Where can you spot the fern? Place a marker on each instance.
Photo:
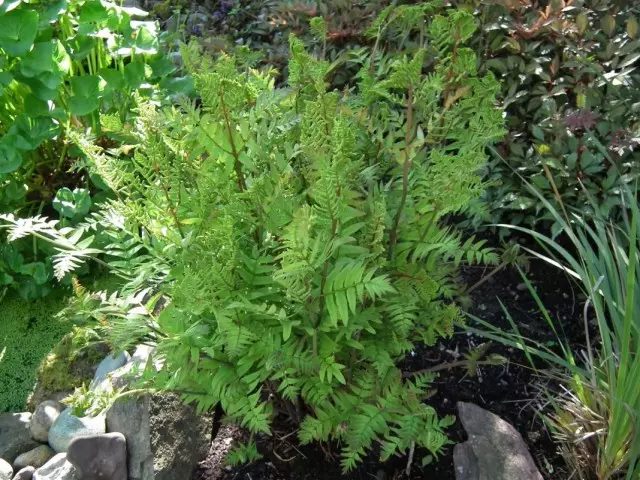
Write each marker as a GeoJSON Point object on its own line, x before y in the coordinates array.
{"type": "Point", "coordinates": [298, 234]}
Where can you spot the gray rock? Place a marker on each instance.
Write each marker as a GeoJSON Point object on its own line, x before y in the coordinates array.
{"type": "Point", "coordinates": [142, 354]}
{"type": "Point", "coordinates": [6, 472]}
{"type": "Point", "coordinates": [58, 468]}
{"type": "Point", "coordinates": [108, 365]}
{"type": "Point", "coordinates": [25, 473]}
{"type": "Point", "coordinates": [67, 427]}
{"type": "Point", "coordinates": [35, 458]}
{"type": "Point", "coordinates": [499, 452]}
{"type": "Point", "coordinates": [42, 419]}
{"type": "Point", "coordinates": [465, 461]}
{"type": "Point", "coordinates": [99, 457]}
{"type": "Point", "coordinates": [15, 437]}
{"type": "Point", "coordinates": [165, 438]}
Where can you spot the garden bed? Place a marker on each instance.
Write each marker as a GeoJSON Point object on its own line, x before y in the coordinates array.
{"type": "Point", "coordinates": [511, 391]}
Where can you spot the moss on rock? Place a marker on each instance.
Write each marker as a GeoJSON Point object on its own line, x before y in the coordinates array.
{"type": "Point", "coordinates": [70, 364]}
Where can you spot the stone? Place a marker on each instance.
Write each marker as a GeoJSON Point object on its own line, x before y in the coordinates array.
{"type": "Point", "coordinates": [35, 458]}
{"type": "Point", "coordinates": [6, 472]}
{"type": "Point", "coordinates": [99, 457]}
{"type": "Point", "coordinates": [15, 437]}
{"type": "Point", "coordinates": [42, 419]}
{"type": "Point", "coordinates": [67, 427]}
{"type": "Point", "coordinates": [108, 365]}
{"type": "Point", "coordinates": [165, 438]}
{"type": "Point", "coordinates": [25, 473]}
{"type": "Point", "coordinates": [58, 468]}
{"type": "Point", "coordinates": [65, 368]}
{"type": "Point", "coordinates": [132, 370]}
{"type": "Point", "coordinates": [465, 462]}
{"type": "Point", "coordinates": [499, 452]}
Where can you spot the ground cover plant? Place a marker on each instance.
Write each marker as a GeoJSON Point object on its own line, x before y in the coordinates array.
{"type": "Point", "coordinates": [28, 332]}
{"type": "Point", "coordinates": [301, 232]}
{"type": "Point", "coordinates": [66, 64]}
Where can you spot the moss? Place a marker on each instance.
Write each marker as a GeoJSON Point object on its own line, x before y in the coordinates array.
{"type": "Point", "coordinates": [28, 331]}
{"type": "Point", "coordinates": [66, 367]}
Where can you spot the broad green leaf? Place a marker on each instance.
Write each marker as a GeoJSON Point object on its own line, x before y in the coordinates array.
{"type": "Point", "coordinates": [134, 74]}
{"type": "Point", "coordinates": [36, 270]}
{"type": "Point", "coordinates": [8, 5]}
{"type": "Point", "coordinates": [5, 78]}
{"type": "Point", "coordinates": [62, 58]}
{"type": "Point", "coordinates": [93, 12]}
{"type": "Point", "coordinates": [72, 203]}
{"type": "Point", "coordinates": [81, 47]}
{"type": "Point", "coordinates": [54, 10]}
{"type": "Point", "coordinates": [87, 86]}
{"type": "Point", "coordinates": [183, 85]}
{"type": "Point", "coordinates": [10, 159]}
{"type": "Point", "coordinates": [44, 91]}
{"type": "Point", "coordinates": [145, 42]}
{"type": "Point", "coordinates": [35, 106]}
{"type": "Point", "coordinates": [18, 31]}
{"type": "Point", "coordinates": [113, 79]}
{"type": "Point", "coordinates": [83, 105]}
{"type": "Point", "coordinates": [39, 60]}
{"type": "Point", "coordinates": [15, 191]}
{"type": "Point", "coordinates": [34, 130]}
{"type": "Point", "coordinates": [161, 67]}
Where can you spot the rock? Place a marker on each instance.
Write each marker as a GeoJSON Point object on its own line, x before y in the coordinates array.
{"type": "Point", "coordinates": [465, 462]}
{"type": "Point", "coordinates": [99, 457]}
{"type": "Point", "coordinates": [124, 375]}
{"type": "Point", "coordinates": [35, 458]}
{"type": "Point", "coordinates": [65, 368]}
{"type": "Point", "coordinates": [15, 437]}
{"type": "Point", "coordinates": [58, 468]}
{"type": "Point", "coordinates": [6, 472]}
{"type": "Point", "coordinates": [494, 449]}
{"type": "Point", "coordinates": [165, 438]}
{"type": "Point", "coordinates": [108, 365]}
{"type": "Point", "coordinates": [42, 419]}
{"type": "Point", "coordinates": [67, 426]}
{"type": "Point", "coordinates": [25, 473]}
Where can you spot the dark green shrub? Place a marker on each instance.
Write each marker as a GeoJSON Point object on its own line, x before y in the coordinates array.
{"type": "Point", "coordinates": [571, 93]}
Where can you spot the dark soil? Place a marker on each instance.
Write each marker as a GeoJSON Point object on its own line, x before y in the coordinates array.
{"type": "Point", "coordinates": [511, 390]}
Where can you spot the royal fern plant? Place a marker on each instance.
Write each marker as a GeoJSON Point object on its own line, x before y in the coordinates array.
{"type": "Point", "coordinates": [303, 231]}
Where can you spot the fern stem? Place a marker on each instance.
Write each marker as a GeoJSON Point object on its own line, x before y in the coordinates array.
{"type": "Point", "coordinates": [237, 166]}
{"type": "Point", "coordinates": [323, 281]}
{"type": "Point", "coordinates": [428, 226]}
{"type": "Point", "coordinates": [393, 236]}
{"type": "Point", "coordinates": [315, 342]}
{"type": "Point", "coordinates": [172, 208]}
{"type": "Point", "coordinates": [447, 366]}
{"type": "Point", "coordinates": [486, 277]}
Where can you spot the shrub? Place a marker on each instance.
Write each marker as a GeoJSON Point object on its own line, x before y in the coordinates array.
{"type": "Point", "coordinates": [569, 84]}
{"type": "Point", "coordinates": [300, 233]}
